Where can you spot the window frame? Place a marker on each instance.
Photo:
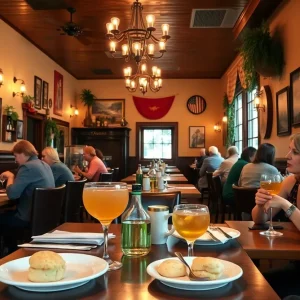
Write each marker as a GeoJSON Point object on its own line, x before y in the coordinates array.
{"type": "Point", "coordinates": [140, 126]}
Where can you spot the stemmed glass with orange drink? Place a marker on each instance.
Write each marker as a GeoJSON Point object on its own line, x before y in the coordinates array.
{"type": "Point", "coordinates": [105, 201]}
{"type": "Point", "coordinates": [272, 184]}
{"type": "Point", "coordinates": [191, 221]}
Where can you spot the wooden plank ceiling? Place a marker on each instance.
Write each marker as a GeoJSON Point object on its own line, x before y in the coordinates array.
{"type": "Point", "coordinates": [191, 53]}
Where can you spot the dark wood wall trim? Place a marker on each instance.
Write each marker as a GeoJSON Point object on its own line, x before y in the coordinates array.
{"type": "Point", "coordinates": [142, 125]}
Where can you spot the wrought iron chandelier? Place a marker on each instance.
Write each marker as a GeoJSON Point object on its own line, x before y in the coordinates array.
{"type": "Point", "coordinates": [142, 80]}
{"type": "Point", "coordinates": [137, 36]}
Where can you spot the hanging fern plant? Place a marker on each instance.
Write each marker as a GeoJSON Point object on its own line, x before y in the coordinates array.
{"type": "Point", "coordinates": [51, 128]}
{"type": "Point", "coordinates": [230, 113]}
{"type": "Point", "coordinates": [261, 53]}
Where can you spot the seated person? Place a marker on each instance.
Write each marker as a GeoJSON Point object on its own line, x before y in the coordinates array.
{"type": "Point", "coordinates": [234, 173]}
{"type": "Point", "coordinates": [60, 171]}
{"type": "Point", "coordinates": [210, 164]}
{"type": "Point", "coordinates": [95, 166]}
{"type": "Point", "coordinates": [101, 156]}
{"type": "Point", "coordinates": [224, 168]}
{"type": "Point", "coordinates": [201, 158]}
{"type": "Point", "coordinates": [33, 173]}
{"type": "Point", "coordinates": [263, 163]}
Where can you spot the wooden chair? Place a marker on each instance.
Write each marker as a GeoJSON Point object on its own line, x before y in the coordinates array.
{"type": "Point", "coordinates": [73, 205]}
{"type": "Point", "coordinates": [244, 200]}
{"type": "Point", "coordinates": [106, 177]}
{"type": "Point", "coordinates": [218, 189]}
{"type": "Point", "coordinates": [47, 206]}
{"type": "Point", "coordinates": [212, 197]}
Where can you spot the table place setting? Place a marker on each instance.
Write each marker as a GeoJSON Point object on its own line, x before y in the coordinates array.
{"type": "Point", "coordinates": [65, 240]}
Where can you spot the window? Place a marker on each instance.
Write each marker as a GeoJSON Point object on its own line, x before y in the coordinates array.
{"type": "Point", "coordinates": [246, 132]}
{"type": "Point", "coordinates": [157, 140]}
{"type": "Point", "coordinates": [157, 143]}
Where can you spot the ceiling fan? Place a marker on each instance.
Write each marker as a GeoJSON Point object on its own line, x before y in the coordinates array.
{"type": "Point", "coordinates": [70, 28]}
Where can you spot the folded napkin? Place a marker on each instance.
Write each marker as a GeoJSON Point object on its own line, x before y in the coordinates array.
{"type": "Point", "coordinates": [216, 233]}
{"type": "Point", "coordinates": [175, 175]}
{"type": "Point", "coordinates": [65, 237]}
{"type": "Point", "coordinates": [57, 246]}
{"type": "Point", "coordinates": [185, 187]}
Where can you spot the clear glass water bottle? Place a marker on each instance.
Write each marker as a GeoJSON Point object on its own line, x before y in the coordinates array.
{"type": "Point", "coordinates": [136, 226]}
{"type": "Point", "coordinates": [139, 175]}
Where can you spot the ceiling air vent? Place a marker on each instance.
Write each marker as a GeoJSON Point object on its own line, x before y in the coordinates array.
{"type": "Point", "coordinates": [45, 5]}
{"type": "Point", "coordinates": [215, 18]}
{"type": "Point", "coordinates": [102, 71]}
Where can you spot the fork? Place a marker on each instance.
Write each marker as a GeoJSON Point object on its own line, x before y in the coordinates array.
{"type": "Point", "coordinates": [214, 228]}
{"type": "Point", "coordinates": [212, 236]}
{"type": "Point", "coordinates": [191, 275]}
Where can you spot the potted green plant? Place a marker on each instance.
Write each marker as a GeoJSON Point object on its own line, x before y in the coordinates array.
{"type": "Point", "coordinates": [28, 103]}
{"type": "Point", "coordinates": [88, 99]}
{"type": "Point", "coordinates": [51, 132]}
{"type": "Point", "coordinates": [10, 111]}
{"type": "Point", "coordinates": [261, 53]}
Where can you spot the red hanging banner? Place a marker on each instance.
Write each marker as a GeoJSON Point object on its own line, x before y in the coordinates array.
{"type": "Point", "coordinates": [153, 108]}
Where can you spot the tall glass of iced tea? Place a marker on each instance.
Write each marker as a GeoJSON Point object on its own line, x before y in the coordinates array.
{"type": "Point", "coordinates": [105, 201]}
{"type": "Point", "coordinates": [191, 221]}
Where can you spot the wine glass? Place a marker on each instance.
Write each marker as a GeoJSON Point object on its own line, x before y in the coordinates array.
{"type": "Point", "coordinates": [272, 184]}
{"type": "Point", "coordinates": [191, 221]}
{"type": "Point", "coordinates": [97, 200]}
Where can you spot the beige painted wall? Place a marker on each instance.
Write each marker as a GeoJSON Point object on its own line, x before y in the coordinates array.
{"type": "Point", "coordinates": [288, 22]}
{"type": "Point", "coordinates": [183, 89]}
{"type": "Point", "coordinates": [20, 58]}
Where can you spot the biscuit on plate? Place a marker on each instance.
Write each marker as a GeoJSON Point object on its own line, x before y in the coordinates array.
{"type": "Point", "coordinates": [209, 267]}
{"type": "Point", "coordinates": [171, 268]}
{"type": "Point", "coordinates": [46, 266]}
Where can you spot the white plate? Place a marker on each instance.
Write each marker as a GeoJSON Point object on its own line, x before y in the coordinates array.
{"type": "Point", "coordinates": [205, 239]}
{"type": "Point", "coordinates": [231, 273]}
{"type": "Point", "coordinates": [80, 268]}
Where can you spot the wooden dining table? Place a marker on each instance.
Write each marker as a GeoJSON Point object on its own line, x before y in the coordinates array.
{"type": "Point", "coordinates": [132, 280]}
{"type": "Point", "coordinates": [175, 178]}
{"type": "Point", "coordinates": [258, 246]}
{"type": "Point", "coordinates": [174, 170]}
{"type": "Point", "coordinates": [4, 200]}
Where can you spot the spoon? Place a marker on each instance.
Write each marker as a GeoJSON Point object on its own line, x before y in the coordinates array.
{"type": "Point", "coordinates": [192, 276]}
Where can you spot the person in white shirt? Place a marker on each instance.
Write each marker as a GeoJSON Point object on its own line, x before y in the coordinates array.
{"type": "Point", "coordinates": [223, 170]}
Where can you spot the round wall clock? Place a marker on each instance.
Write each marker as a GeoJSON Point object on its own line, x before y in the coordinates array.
{"type": "Point", "coordinates": [196, 105]}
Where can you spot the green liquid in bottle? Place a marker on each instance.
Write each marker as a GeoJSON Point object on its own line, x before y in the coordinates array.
{"type": "Point", "coordinates": [136, 237]}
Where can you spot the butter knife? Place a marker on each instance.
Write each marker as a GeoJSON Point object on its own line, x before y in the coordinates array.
{"type": "Point", "coordinates": [225, 233]}
{"type": "Point", "coordinates": [213, 237]}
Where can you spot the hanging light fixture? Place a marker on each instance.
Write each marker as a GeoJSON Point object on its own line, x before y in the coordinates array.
{"type": "Point", "coordinates": [142, 80]}
{"type": "Point", "coordinates": [139, 39]}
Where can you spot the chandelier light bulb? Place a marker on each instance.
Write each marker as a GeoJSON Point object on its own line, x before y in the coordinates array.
{"type": "Point", "coordinates": [162, 46]}
{"type": "Point", "coordinates": [137, 48]}
{"type": "Point", "coordinates": [154, 69]}
{"type": "Point", "coordinates": [158, 72]}
{"type": "Point", "coordinates": [144, 68]}
{"type": "Point", "coordinates": [151, 48]}
{"type": "Point", "coordinates": [132, 84]}
{"type": "Point", "coordinates": [127, 82]}
{"type": "Point", "coordinates": [109, 28]}
{"type": "Point", "coordinates": [112, 46]}
{"type": "Point", "coordinates": [129, 71]}
{"type": "Point", "coordinates": [150, 21]}
{"type": "Point", "coordinates": [165, 29]}
{"type": "Point", "coordinates": [155, 83]}
{"type": "Point", "coordinates": [115, 22]}
{"type": "Point", "coordinates": [160, 82]}
{"type": "Point", "coordinates": [125, 50]}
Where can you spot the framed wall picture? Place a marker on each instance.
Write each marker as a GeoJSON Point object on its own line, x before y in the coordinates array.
{"type": "Point", "coordinates": [45, 94]}
{"type": "Point", "coordinates": [283, 112]}
{"type": "Point", "coordinates": [111, 110]}
{"type": "Point", "coordinates": [197, 136]}
{"type": "Point", "coordinates": [38, 92]}
{"type": "Point", "coordinates": [19, 129]}
{"type": "Point", "coordinates": [295, 96]}
{"type": "Point", "coordinates": [58, 93]}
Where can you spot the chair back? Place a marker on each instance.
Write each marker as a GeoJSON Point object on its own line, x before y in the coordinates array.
{"type": "Point", "coordinates": [244, 199]}
{"type": "Point", "coordinates": [106, 177]}
{"type": "Point", "coordinates": [217, 187]}
{"type": "Point", "coordinates": [211, 188]}
{"type": "Point", "coordinates": [73, 201]}
{"type": "Point", "coordinates": [46, 209]}
{"type": "Point", "coordinates": [116, 175]}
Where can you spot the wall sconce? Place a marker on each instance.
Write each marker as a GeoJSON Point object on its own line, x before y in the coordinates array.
{"type": "Point", "coordinates": [75, 111]}
{"type": "Point", "coordinates": [224, 119]}
{"type": "Point", "coordinates": [217, 127]}
{"type": "Point", "coordinates": [257, 104]}
{"type": "Point", "coordinates": [1, 77]}
{"type": "Point", "coordinates": [22, 87]}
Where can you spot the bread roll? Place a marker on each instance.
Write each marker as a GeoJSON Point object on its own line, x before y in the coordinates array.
{"type": "Point", "coordinates": [171, 268]}
{"type": "Point", "coordinates": [209, 267]}
{"type": "Point", "coordinates": [46, 266]}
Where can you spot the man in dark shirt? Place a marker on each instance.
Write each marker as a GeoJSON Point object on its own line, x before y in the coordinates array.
{"type": "Point", "coordinates": [201, 158]}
